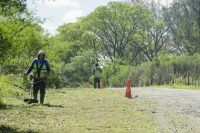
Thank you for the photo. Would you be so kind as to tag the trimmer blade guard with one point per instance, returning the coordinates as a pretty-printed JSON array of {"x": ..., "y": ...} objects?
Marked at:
[{"x": 30, "y": 101}]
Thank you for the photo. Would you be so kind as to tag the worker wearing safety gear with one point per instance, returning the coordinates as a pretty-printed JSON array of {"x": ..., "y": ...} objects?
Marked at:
[
  {"x": 41, "y": 70},
  {"x": 96, "y": 71}
]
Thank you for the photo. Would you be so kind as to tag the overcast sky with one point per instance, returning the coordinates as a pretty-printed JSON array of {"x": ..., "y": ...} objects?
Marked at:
[{"x": 59, "y": 12}]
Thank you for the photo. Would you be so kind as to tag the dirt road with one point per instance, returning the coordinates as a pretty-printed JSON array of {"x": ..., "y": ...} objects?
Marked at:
[{"x": 173, "y": 110}]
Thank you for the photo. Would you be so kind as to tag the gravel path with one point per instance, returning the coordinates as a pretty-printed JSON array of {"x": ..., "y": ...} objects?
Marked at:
[{"x": 173, "y": 110}]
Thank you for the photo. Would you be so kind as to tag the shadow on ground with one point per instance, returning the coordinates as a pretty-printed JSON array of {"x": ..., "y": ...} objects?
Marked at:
[
  {"x": 4, "y": 106},
  {"x": 7, "y": 129},
  {"x": 53, "y": 106},
  {"x": 9, "y": 106}
]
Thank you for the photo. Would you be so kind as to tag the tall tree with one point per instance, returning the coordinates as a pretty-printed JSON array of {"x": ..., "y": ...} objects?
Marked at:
[
  {"x": 11, "y": 13},
  {"x": 155, "y": 32},
  {"x": 186, "y": 31},
  {"x": 112, "y": 25}
]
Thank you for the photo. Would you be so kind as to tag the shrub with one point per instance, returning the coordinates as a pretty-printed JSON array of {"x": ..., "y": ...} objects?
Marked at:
[{"x": 10, "y": 85}]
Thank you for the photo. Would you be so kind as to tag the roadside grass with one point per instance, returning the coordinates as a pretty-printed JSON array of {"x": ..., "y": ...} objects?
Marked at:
[
  {"x": 177, "y": 86},
  {"x": 76, "y": 110}
]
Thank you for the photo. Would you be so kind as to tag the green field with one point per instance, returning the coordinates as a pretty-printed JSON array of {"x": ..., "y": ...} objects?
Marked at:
[{"x": 76, "y": 110}]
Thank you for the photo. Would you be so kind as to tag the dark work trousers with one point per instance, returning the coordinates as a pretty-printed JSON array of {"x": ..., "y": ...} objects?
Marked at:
[
  {"x": 96, "y": 81},
  {"x": 39, "y": 84}
]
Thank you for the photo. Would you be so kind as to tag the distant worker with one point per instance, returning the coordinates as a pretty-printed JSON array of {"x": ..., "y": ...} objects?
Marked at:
[
  {"x": 41, "y": 71},
  {"x": 96, "y": 71}
]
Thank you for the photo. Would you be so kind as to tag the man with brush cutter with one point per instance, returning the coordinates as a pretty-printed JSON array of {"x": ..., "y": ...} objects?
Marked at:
[{"x": 41, "y": 70}]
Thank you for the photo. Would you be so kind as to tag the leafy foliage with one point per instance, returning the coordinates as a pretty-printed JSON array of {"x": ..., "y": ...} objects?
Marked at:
[
  {"x": 136, "y": 41},
  {"x": 10, "y": 85}
]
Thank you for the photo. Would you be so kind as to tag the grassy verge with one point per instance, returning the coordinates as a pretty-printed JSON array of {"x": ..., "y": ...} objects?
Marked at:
[
  {"x": 10, "y": 86},
  {"x": 177, "y": 86},
  {"x": 76, "y": 110}
]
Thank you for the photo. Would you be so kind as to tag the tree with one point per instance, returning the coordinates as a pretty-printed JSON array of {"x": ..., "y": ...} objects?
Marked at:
[
  {"x": 186, "y": 31},
  {"x": 13, "y": 16},
  {"x": 154, "y": 33},
  {"x": 112, "y": 27},
  {"x": 12, "y": 9}
]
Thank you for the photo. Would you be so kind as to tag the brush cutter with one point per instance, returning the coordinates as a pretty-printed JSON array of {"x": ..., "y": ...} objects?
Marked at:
[{"x": 31, "y": 100}]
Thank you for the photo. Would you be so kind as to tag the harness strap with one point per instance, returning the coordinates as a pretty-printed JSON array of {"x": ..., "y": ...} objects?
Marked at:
[{"x": 38, "y": 69}]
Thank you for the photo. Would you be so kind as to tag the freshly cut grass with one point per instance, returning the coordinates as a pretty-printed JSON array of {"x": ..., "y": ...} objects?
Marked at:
[{"x": 76, "y": 110}]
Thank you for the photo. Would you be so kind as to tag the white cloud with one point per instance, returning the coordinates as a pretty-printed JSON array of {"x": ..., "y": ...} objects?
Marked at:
[
  {"x": 165, "y": 2},
  {"x": 59, "y": 12},
  {"x": 50, "y": 27},
  {"x": 72, "y": 16},
  {"x": 59, "y": 3}
]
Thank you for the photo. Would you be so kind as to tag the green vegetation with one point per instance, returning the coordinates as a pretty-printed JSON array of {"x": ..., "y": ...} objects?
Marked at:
[
  {"x": 148, "y": 43},
  {"x": 177, "y": 86},
  {"x": 76, "y": 110},
  {"x": 10, "y": 86}
]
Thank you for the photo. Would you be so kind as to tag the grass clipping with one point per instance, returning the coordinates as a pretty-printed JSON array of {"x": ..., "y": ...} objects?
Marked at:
[{"x": 77, "y": 110}]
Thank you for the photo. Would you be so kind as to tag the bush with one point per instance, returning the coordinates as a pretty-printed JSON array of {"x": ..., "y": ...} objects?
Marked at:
[
  {"x": 10, "y": 85},
  {"x": 163, "y": 70}
]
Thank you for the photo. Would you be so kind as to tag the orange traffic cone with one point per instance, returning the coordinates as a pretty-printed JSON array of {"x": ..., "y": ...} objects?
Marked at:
[{"x": 128, "y": 88}]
